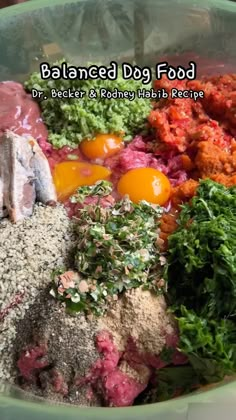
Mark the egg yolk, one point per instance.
(102, 146)
(68, 176)
(145, 184)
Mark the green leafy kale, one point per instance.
(69, 121)
(117, 250)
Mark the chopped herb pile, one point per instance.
(70, 121)
(100, 189)
(117, 250)
(201, 275)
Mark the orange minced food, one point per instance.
(180, 194)
(215, 163)
(203, 132)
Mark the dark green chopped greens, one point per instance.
(166, 354)
(201, 274)
(209, 344)
(171, 382)
(117, 250)
(212, 200)
(202, 253)
(69, 121)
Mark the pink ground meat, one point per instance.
(31, 361)
(58, 383)
(138, 154)
(118, 388)
(58, 155)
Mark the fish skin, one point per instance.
(3, 210)
(45, 189)
(1, 197)
(17, 176)
(25, 177)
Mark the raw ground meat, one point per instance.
(76, 360)
(139, 154)
(52, 349)
(213, 162)
(204, 131)
(210, 162)
(19, 112)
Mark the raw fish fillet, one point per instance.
(24, 177)
(45, 190)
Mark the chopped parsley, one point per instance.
(202, 253)
(201, 274)
(209, 344)
(100, 189)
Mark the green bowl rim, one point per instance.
(179, 404)
(32, 5)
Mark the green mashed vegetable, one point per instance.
(70, 121)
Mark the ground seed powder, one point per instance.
(29, 251)
(70, 351)
(141, 315)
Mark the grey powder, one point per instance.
(29, 251)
